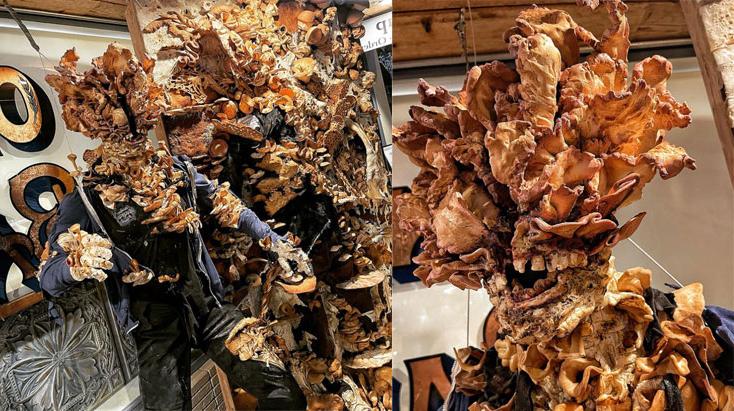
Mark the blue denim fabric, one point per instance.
(55, 277)
(721, 322)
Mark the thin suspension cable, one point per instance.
(45, 59)
(25, 32)
(468, 314)
(473, 33)
(41, 57)
(642, 250)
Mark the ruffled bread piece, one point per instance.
(618, 117)
(564, 302)
(480, 85)
(615, 39)
(520, 179)
(101, 102)
(724, 396)
(434, 96)
(598, 75)
(538, 63)
(457, 229)
(594, 360)
(556, 24)
(413, 213)
(606, 162)
(471, 379)
(226, 207)
(625, 293)
(686, 346)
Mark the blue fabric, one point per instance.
(721, 322)
(55, 277)
(459, 401)
(249, 222)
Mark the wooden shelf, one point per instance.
(20, 304)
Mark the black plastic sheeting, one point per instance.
(660, 302)
(673, 399)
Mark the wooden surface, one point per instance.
(135, 30)
(226, 390)
(140, 13)
(712, 32)
(423, 33)
(414, 5)
(207, 393)
(19, 304)
(106, 9)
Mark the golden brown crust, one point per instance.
(520, 179)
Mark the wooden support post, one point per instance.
(425, 29)
(104, 9)
(712, 31)
(136, 31)
(137, 17)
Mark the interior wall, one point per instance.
(17, 53)
(689, 230)
(31, 377)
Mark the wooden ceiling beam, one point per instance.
(103, 9)
(400, 6)
(422, 35)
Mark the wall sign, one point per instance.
(28, 124)
(32, 128)
(26, 189)
(378, 32)
(430, 381)
(429, 377)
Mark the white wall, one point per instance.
(53, 40)
(689, 229)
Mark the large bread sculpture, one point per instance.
(520, 177)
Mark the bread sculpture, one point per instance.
(520, 177)
(271, 98)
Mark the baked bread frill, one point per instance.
(521, 172)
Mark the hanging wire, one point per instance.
(26, 32)
(41, 57)
(22, 26)
(473, 33)
(468, 314)
(642, 250)
(460, 28)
